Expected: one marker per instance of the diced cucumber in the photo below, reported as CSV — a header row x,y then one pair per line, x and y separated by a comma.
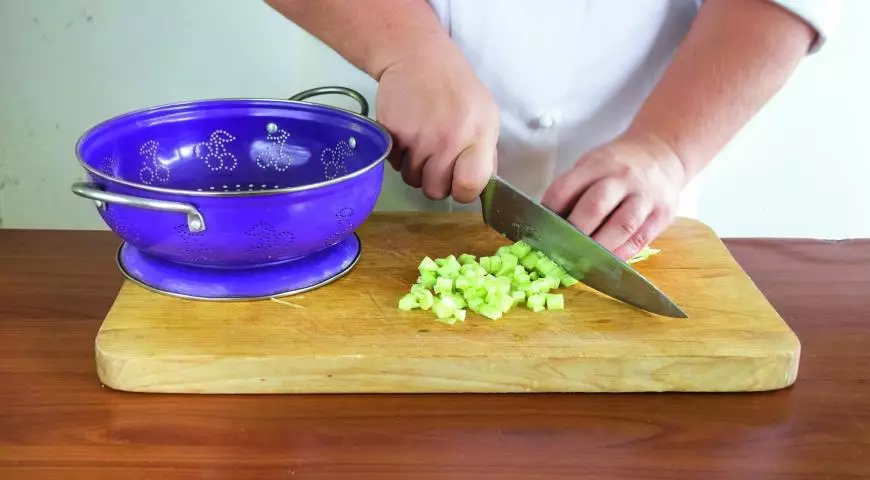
x,y
491,312
504,301
466,259
442,310
427,265
545,266
541,285
555,301
475,303
491,285
408,302
444,285
529,261
519,296
424,297
476,282
508,264
520,249
427,279
536,302
522,279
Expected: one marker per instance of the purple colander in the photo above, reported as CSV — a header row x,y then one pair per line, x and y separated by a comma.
x,y
236,198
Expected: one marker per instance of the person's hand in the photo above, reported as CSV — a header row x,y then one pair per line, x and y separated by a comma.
x,y
623,194
444,123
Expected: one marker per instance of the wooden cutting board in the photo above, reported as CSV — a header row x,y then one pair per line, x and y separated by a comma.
x,y
349,336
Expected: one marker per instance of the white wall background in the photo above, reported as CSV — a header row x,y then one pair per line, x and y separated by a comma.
x,y
800,169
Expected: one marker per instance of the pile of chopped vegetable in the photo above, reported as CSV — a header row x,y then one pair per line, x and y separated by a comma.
x,y
491,286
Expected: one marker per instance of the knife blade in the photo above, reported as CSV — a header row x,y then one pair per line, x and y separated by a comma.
x,y
518,217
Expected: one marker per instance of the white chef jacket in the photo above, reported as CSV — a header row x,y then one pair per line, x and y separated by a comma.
x,y
569,75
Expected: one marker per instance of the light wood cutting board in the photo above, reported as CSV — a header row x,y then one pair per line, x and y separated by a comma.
x,y
349,336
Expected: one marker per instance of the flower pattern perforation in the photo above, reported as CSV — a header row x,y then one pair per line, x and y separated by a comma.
x,y
215,154
109,165
268,241
344,221
276,155
193,248
152,171
125,230
333,160
128,232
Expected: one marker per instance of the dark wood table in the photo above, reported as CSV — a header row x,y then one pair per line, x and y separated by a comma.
x,y
58,422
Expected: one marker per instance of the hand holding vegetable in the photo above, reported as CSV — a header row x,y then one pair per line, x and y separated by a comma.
x,y
623,194
444,121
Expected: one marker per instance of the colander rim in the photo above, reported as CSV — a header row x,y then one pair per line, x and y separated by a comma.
x,y
240,193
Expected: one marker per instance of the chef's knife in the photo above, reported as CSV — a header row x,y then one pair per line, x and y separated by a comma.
x,y
518,217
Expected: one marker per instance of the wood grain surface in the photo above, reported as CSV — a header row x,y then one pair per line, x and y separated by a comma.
x,y
350,337
56,422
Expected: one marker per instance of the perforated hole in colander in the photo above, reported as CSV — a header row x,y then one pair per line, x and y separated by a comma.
x,y
109,165
276,155
193,248
344,226
125,230
268,241
333,159
239,187
152,170
215,154
128,232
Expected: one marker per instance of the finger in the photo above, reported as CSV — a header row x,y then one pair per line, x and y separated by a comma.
x,y
654,224
438,175
624,222
566,190
595,204
472,171
412,168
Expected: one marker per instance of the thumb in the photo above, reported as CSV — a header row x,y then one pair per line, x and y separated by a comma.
x,y
472,171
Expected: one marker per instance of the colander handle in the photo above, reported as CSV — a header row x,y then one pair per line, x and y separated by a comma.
x,y
347,92
195,220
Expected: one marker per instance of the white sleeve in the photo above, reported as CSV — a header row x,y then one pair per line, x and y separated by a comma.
x,y
822,15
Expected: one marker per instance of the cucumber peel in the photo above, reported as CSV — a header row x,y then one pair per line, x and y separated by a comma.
x,y
491,286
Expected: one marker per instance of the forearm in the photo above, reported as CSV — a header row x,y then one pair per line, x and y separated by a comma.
x,y
370,34
736,56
